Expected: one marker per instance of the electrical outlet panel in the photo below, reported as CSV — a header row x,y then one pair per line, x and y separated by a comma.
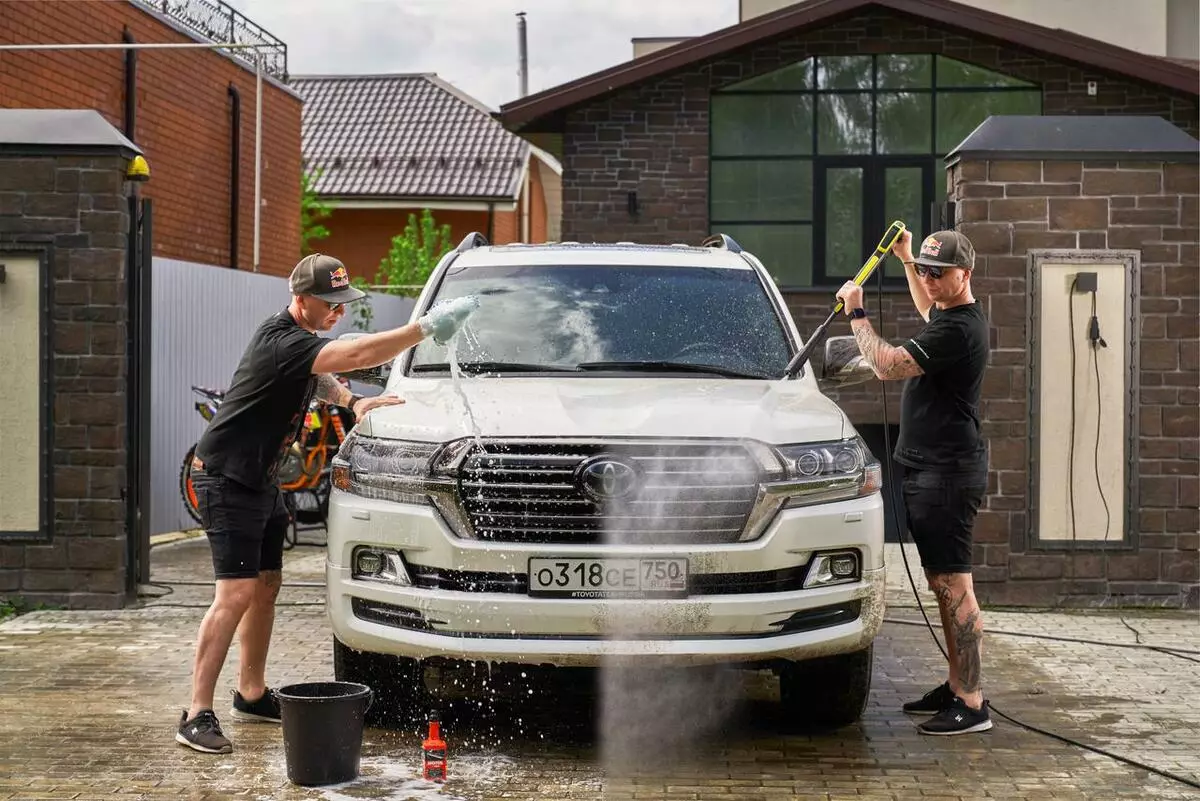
x,y
1085,282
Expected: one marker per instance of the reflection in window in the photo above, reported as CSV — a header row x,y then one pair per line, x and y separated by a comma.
x,y
951,72
903,122
903,195
761,190
785,250
959,113
761,125
845,123
844,72
904,71
844,217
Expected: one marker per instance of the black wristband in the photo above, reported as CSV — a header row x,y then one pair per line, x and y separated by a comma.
x,y
353,400
858,314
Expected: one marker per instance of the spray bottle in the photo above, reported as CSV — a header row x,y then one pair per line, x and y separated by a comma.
x,y
434,751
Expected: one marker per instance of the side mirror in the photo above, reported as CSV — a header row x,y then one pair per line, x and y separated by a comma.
x,y
375,376
843,365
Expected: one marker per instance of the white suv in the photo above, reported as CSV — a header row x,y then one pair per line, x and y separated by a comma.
x,y
620,476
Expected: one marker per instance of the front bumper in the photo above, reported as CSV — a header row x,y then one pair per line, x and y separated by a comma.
x,y
732,628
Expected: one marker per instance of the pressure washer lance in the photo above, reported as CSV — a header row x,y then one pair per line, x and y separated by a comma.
x,y
881,251
434,752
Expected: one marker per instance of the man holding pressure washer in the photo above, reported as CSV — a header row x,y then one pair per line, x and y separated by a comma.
x,y
943,451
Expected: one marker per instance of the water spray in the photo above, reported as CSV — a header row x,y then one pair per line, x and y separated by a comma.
x,y
881,251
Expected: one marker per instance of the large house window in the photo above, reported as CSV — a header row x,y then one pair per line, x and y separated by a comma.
x,y
811,162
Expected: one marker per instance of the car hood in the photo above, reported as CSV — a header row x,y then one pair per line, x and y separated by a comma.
x,y
435,410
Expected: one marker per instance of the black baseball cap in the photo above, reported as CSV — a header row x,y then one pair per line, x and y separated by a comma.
x,y
324,277
947,249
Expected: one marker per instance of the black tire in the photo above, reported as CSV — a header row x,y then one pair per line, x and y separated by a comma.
x,y
185,486
397,684
828,692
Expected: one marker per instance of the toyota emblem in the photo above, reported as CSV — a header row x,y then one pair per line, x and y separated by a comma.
x,y
607,479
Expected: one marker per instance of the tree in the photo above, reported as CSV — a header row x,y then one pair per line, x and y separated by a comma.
x,y
312,210
408,264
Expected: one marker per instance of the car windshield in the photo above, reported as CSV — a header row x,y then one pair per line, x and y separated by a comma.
x,y
560,317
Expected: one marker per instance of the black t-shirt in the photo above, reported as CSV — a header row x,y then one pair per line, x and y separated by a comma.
x,y
263,409
939,410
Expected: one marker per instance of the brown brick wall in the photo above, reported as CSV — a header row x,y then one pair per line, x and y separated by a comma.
x,y
183,125
653,138
1008,207
77,207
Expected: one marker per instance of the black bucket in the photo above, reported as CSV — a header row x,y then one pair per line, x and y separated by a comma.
x,y
323,729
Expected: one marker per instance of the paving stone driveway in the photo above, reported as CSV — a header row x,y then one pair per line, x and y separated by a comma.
x,y
90,701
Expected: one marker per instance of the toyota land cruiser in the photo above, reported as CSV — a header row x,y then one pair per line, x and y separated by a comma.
x,y
606,464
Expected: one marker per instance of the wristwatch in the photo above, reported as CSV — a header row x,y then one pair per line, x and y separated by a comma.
x,y
858,314
353,400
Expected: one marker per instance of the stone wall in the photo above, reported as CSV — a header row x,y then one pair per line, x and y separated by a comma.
x,y
77,207
1010,207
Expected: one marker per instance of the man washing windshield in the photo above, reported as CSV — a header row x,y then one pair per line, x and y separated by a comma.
x,y
944,453
235,471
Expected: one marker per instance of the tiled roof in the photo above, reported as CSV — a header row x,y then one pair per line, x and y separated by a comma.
x,y
402,136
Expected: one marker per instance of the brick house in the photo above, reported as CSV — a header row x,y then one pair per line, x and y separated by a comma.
x,y
382,147
72,230
802,132
186,103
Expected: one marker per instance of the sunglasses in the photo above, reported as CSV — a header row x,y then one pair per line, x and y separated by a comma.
x,y
924,270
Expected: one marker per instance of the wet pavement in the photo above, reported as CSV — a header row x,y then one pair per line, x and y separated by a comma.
x,y
91,699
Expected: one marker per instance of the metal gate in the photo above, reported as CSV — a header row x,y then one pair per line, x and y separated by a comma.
x,y
138,394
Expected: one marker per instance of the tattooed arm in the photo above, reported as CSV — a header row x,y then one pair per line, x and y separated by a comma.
x,y
331,391
889,362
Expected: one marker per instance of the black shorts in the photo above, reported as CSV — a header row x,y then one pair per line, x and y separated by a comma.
x,y
245,526
941,509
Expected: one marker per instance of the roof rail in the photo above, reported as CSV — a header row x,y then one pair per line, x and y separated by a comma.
x,y
471,240
723,241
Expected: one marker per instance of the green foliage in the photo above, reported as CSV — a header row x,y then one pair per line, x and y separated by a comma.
x,y
410,261
13,606
312,210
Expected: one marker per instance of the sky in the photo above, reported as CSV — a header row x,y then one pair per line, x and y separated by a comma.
x,y
473,43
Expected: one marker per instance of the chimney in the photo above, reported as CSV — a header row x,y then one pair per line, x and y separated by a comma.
x,y
523,54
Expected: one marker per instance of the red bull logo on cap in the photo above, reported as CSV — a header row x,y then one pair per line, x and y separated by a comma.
x,y
339,277
931,246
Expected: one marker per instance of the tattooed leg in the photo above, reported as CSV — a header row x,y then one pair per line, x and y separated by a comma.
x,y
947,629
956,595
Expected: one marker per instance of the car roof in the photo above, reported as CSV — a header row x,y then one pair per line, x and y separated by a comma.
x,y
602,253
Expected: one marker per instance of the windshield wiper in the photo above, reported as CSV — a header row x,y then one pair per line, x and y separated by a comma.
x,y
493,367
670,367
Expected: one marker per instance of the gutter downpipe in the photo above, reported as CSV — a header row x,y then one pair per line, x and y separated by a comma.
x,y
258,103
235,172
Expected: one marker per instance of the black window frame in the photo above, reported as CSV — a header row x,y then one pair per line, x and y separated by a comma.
x,y
874,163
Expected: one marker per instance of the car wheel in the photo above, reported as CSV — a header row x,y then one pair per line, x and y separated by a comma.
x,y
829,692
397,686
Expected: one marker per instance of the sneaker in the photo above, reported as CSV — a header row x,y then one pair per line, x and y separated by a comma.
x,y
203,733
264,710
931,702
958,718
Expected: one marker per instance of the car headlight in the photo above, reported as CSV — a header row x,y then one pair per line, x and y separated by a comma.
x,y
822,472
403,471
386,469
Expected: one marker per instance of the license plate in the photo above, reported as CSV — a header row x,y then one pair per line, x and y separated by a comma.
x,y
608,578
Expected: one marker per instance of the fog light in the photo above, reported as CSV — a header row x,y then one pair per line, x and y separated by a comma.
x,y
377,564
833,568
368,563
844,566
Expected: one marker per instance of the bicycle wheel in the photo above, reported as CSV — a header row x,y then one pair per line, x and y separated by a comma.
x,y
187,491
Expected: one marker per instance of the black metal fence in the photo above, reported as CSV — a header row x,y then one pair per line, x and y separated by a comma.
x,y
219,22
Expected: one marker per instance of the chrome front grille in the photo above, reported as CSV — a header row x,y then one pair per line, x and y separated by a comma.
x,y
559,491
